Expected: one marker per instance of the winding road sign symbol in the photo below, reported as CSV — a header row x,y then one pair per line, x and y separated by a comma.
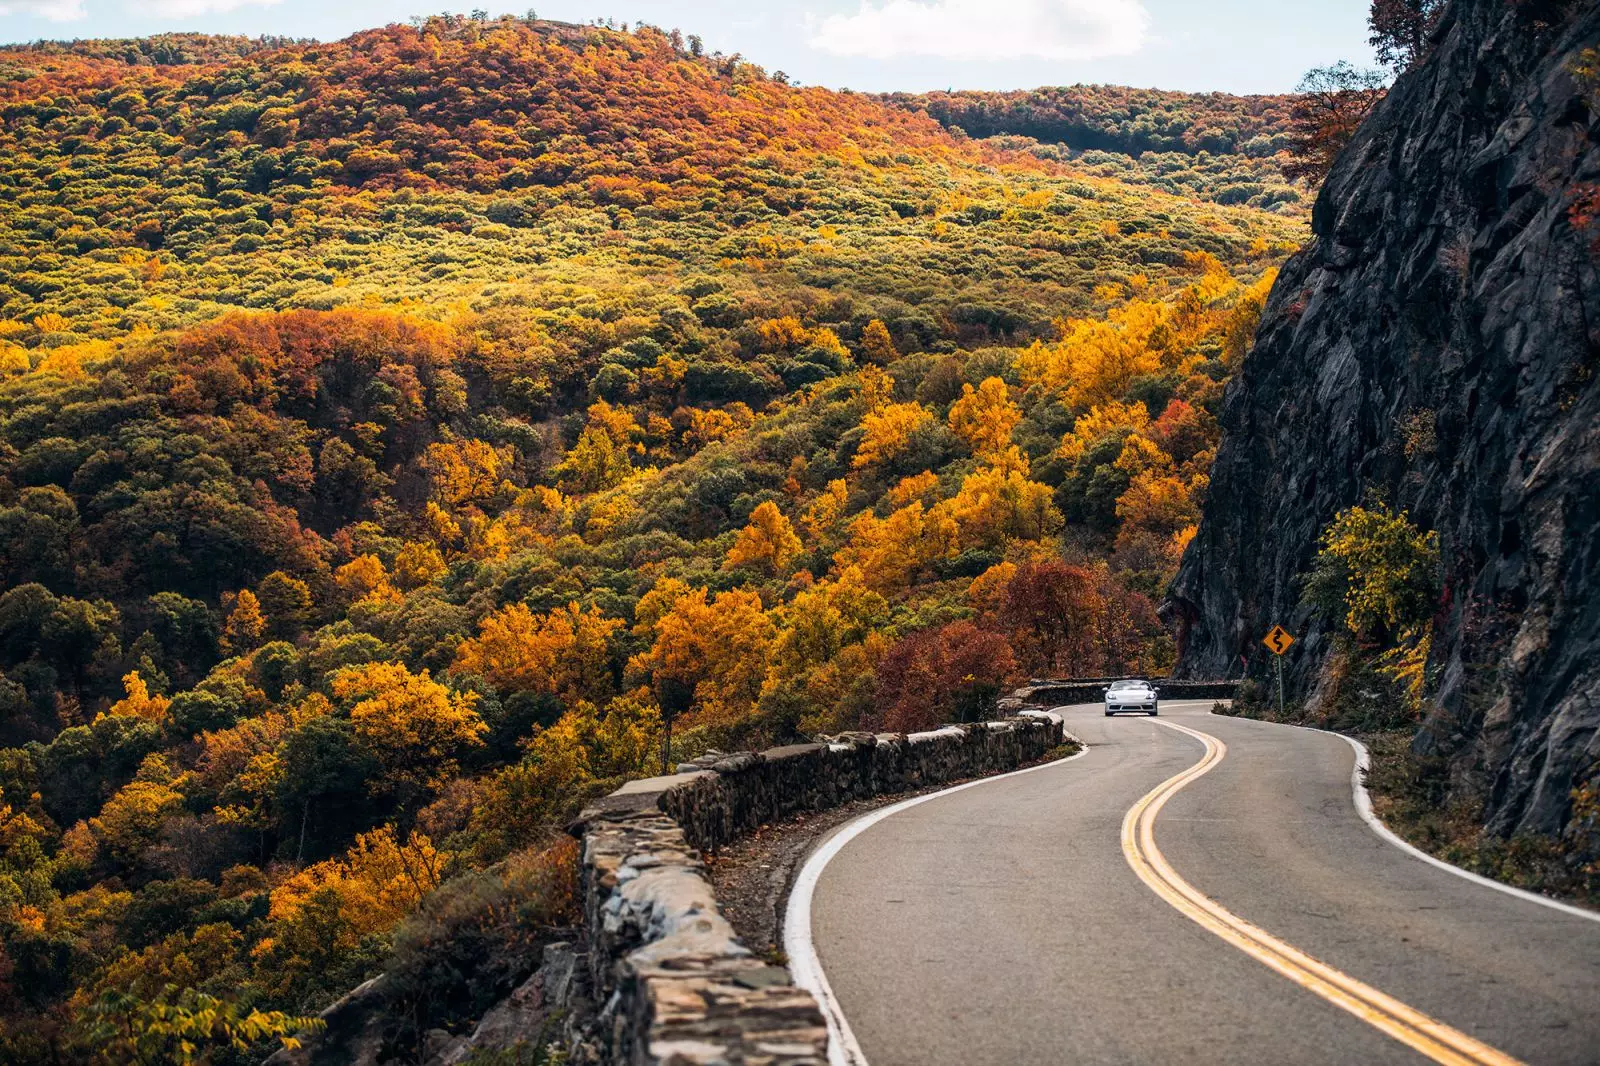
x,y
1278,640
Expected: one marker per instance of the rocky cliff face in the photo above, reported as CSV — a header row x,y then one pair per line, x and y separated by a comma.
x,y
1438,341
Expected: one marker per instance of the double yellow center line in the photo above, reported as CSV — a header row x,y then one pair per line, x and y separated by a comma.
x,y
1411,1027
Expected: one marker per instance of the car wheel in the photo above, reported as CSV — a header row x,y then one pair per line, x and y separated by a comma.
x,y
1153,714
1108,714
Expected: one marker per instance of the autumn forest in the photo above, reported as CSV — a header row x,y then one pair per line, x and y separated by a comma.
x,y
398,436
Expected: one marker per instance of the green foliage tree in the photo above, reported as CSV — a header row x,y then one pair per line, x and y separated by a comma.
x,y
183,1026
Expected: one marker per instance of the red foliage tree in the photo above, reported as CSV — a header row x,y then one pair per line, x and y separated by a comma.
x,y
1054,613
1183,431
951,674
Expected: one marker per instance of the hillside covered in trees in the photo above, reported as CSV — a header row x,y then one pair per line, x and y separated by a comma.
x,y
1229,149
397,434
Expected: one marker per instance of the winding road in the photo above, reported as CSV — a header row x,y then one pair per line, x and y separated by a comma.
x,y
1191,889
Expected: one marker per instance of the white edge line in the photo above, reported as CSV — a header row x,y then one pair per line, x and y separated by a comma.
x,y
1363,801
804,965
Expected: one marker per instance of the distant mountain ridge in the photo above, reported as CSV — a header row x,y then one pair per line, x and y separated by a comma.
x,y
1227,149
1115,118
336,157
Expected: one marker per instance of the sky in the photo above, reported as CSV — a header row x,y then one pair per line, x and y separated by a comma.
x,y
1236,46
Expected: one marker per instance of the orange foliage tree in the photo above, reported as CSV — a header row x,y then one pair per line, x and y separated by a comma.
x,y
768,541
246,625
888,432
709,655
564,653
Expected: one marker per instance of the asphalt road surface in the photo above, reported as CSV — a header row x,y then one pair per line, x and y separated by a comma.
x,y
1034,919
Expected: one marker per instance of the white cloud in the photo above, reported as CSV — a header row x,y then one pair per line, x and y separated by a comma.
x,y
986,29
54,10
190,8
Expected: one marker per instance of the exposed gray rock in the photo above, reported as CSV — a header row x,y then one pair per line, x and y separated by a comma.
x,y
526,1018
354,1035
1438,341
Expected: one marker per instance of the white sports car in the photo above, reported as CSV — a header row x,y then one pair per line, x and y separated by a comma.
x,y
1132,696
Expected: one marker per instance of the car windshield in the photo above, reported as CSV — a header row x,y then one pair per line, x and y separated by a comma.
x,y
1127,684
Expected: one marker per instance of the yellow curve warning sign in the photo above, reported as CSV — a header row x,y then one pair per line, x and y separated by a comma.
x,y
1278,640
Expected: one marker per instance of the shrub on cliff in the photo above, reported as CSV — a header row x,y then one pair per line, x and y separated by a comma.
x,y
1377,570
479,936
1378,574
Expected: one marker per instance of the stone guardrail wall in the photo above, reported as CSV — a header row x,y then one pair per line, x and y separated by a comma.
x,y
675,985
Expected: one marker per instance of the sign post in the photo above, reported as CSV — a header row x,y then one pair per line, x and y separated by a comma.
x,y
1278,642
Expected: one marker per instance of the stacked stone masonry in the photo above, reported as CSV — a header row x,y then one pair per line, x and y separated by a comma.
x,y
675,985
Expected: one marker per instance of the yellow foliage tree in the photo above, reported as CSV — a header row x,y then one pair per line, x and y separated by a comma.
x,y
581,754
877,388
821,621
412,725
563,653
782,334
986,595
999,504
416,564
667,374
464,472
1239,326
138,703
824,519
246,625
710,426
789,334
768,541
1096,358
618,744
377,882
888,432
19,829
910,489
609,512
240,766
131,819
1141,455
1098,422
1156,502
444,530
890,553
985,417
615,422
596,462
365,579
